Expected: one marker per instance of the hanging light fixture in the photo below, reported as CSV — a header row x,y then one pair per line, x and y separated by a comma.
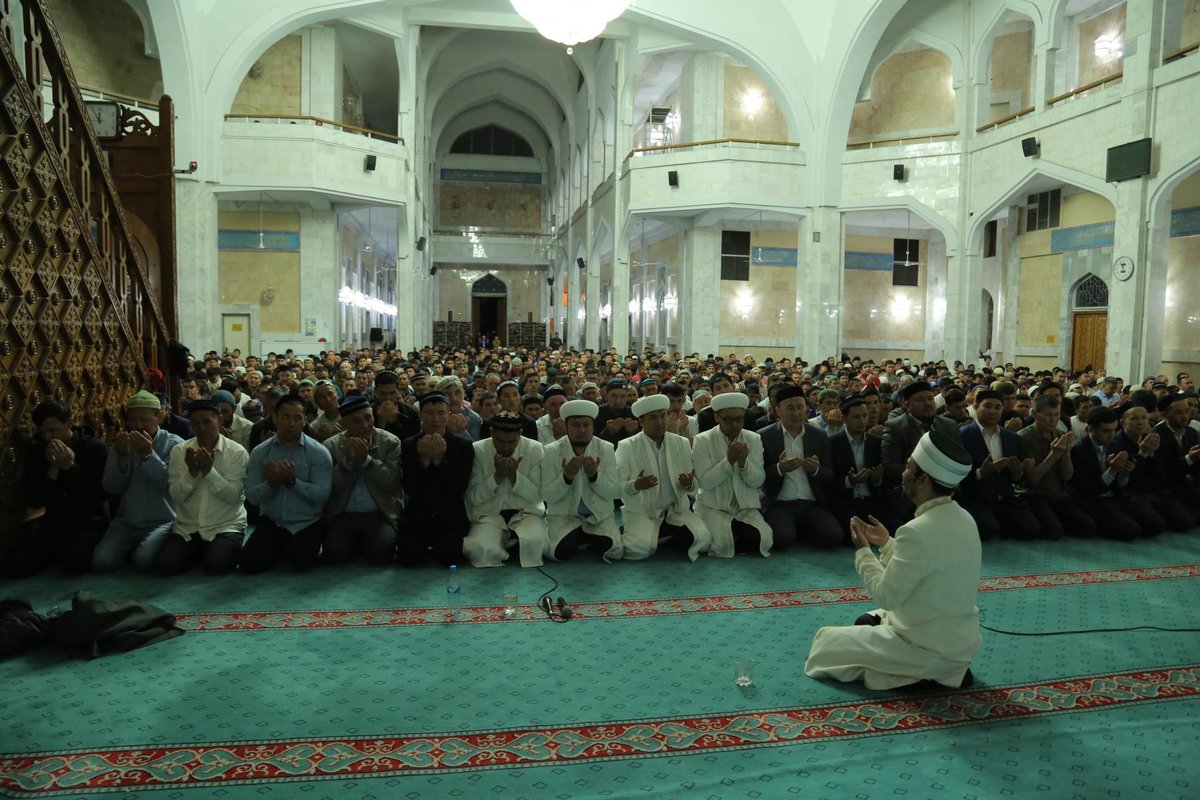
x,y
262,245
368,247
570,22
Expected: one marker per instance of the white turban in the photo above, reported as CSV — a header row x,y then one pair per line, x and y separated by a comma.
x,y
578,408
943,458
729,400
648,405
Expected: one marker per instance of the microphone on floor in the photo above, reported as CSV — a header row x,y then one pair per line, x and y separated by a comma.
x,y
564,610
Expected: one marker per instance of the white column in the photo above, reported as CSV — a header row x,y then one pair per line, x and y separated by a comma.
x,y
197,276
322,73
701,291
318,274
1009,302
1124,351
964,290
935,298
702,98
819,284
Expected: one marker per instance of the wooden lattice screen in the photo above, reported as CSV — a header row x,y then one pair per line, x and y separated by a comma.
x,y
78,319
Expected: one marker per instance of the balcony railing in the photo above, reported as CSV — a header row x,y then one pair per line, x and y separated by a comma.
x,y
286,119
1186,50
1079,91
996,123
758,144
929,138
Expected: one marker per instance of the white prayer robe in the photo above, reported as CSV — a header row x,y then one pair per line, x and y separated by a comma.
x,y
643,511
485,544
563,499
728,492
925,580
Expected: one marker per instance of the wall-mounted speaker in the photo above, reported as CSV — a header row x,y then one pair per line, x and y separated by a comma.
x,y
897,172
550,280
579,262
376,335
421,243
1030,147
369,164
673,179
433,270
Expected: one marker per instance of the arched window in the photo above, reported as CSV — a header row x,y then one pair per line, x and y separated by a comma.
x,y
1091,292
491,140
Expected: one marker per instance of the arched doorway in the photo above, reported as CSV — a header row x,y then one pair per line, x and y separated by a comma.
x,y
1089,322
489,309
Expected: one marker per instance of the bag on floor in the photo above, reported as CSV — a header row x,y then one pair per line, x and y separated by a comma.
x,y
97,626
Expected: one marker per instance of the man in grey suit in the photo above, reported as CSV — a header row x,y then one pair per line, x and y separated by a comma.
x,y
799,475
363,510
900,436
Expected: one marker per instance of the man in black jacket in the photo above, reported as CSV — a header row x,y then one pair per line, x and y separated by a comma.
x,y
1100,479
1177,462
858,469
63,474
436,466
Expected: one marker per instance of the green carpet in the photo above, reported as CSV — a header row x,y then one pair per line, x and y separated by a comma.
x,y
349,683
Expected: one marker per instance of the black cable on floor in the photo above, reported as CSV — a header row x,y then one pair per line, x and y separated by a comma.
x,y
544,602
1090,630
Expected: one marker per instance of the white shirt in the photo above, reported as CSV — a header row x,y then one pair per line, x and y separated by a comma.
x,y
795,483
664,478
995,448
213,503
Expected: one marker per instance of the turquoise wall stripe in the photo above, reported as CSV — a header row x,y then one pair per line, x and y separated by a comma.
x,y
879,262
1186,222
773,256
278,241
489,176
1082,237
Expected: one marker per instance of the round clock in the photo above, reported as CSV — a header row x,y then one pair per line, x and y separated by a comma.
x,y
1123,268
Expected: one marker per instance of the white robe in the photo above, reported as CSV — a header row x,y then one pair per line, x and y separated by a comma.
x,y
485,544
563,499
925,580
728,492
643,511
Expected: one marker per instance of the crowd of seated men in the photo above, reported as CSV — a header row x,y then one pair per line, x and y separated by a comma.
x,y
476,455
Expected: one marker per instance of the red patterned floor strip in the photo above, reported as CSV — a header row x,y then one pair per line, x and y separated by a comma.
x,y
294,620
191,766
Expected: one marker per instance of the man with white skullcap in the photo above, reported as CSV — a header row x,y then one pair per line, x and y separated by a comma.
x,y
657,479
579,484
504,496
925,580
729,467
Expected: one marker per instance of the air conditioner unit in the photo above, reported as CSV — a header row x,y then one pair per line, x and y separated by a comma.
x,y
658,115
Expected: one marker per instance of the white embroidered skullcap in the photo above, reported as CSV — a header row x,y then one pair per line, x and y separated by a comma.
x,y
648,405
578,408
943,458
729,400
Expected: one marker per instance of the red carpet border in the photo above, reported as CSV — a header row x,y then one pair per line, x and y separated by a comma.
x,y
295,620
190,766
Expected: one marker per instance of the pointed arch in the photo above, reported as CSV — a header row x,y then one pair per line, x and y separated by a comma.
x,y
1089,292
911,204
1017,188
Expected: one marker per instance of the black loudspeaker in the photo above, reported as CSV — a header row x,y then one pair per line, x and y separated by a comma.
x,y
433,270
898,172
1030,147
369,164
581,263
421,243
550,280
673,179
376,334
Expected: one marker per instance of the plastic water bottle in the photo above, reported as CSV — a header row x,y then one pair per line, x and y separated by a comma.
x,y
453,595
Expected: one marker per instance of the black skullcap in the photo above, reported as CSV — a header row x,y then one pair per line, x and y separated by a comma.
x,y
615,383
554,391
988,394
850,403
353,403
788,392
506,421
531,400
203,405
433,397
917,386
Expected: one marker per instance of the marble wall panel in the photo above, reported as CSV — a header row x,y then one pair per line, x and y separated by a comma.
x,y
277,89
490,206
1109,23
242,275
750,109
910,92
1038,309
1012,70
1181,317
107,47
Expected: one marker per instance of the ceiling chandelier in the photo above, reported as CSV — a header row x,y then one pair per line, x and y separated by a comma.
x,y
570,22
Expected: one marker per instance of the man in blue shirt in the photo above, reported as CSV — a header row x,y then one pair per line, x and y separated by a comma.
x,y
136,471
289,478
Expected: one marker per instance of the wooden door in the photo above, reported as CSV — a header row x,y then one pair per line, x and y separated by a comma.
x,y
1088,338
